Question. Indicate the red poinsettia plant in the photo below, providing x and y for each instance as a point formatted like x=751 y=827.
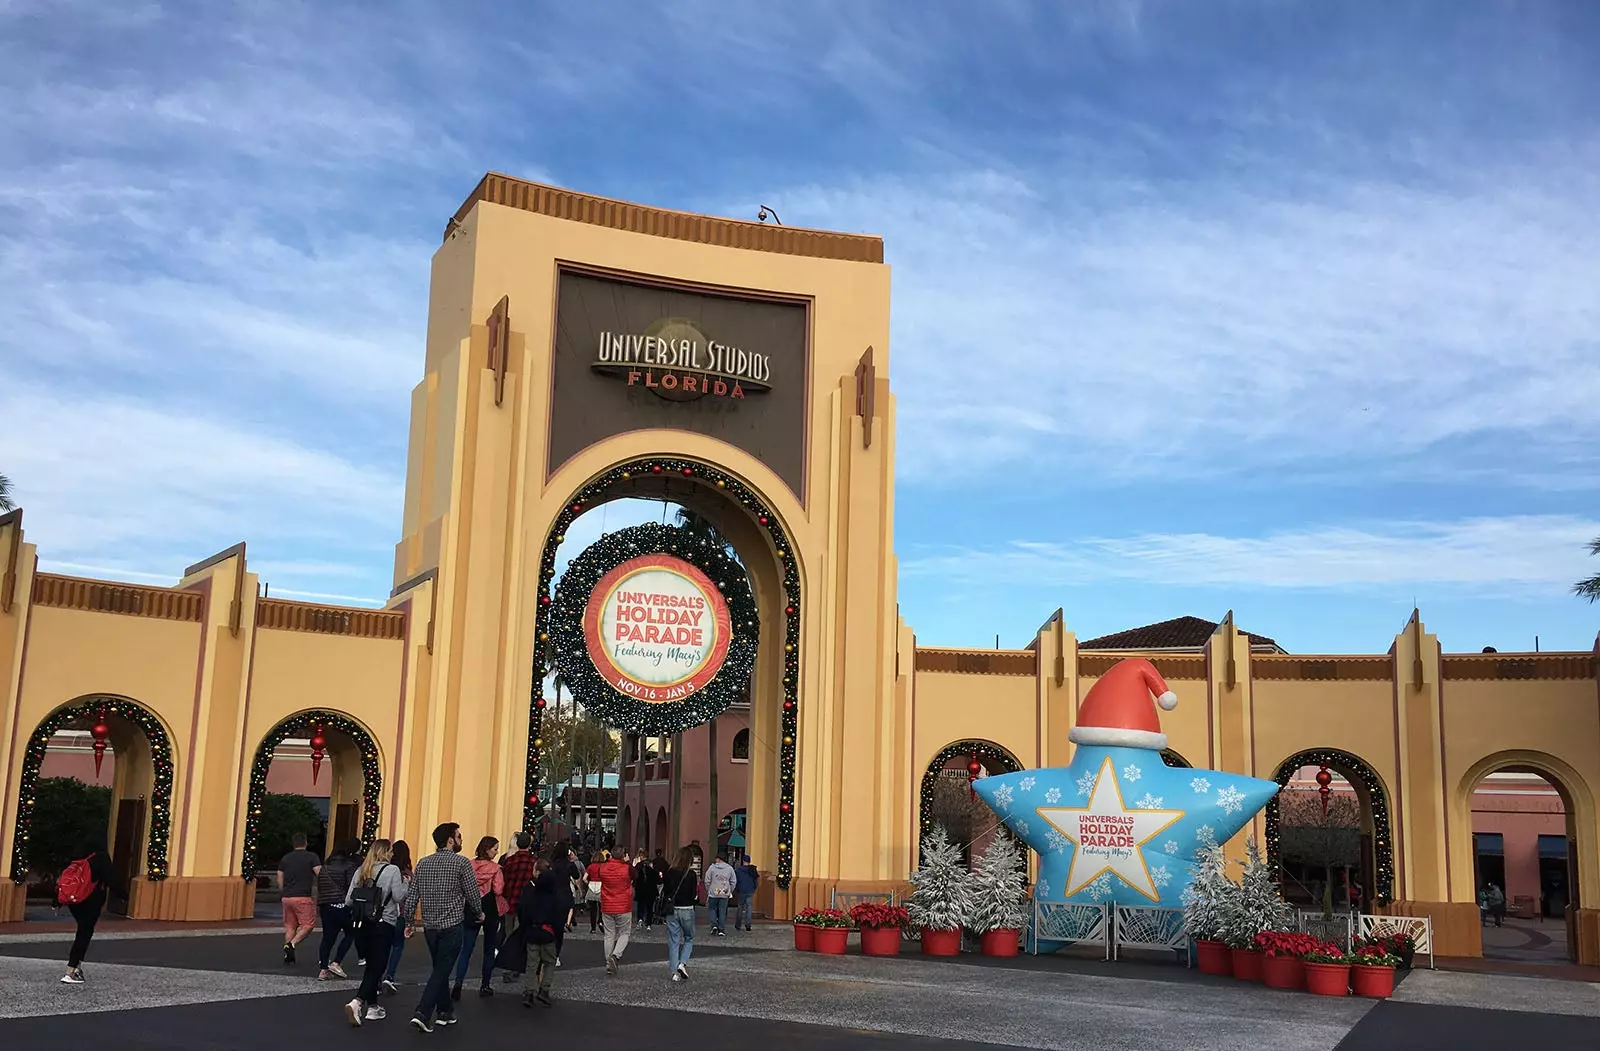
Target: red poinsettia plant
x=1374 y=955
x=807 y=917
x=1294 y=943
x=828 y=918
x=873 y=915
x=1398 y=943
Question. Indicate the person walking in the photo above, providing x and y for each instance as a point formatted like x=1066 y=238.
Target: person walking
x=747 y=880
x=401 y=859
x=591 y=889
x=84 y=888
x=720 y=880
x=445 y=889
x=614 y=884
x=569 y=876
x=333 y=886
x=645 y=884
x=491 y=884
x=297 y=874
x=662 y=865
x=682 y=892
x=1497 y=904
x=516 y=872
x=372 y=904
x=540 y=917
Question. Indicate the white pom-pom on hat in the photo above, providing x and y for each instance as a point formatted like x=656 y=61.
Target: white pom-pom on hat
x=1168 y=701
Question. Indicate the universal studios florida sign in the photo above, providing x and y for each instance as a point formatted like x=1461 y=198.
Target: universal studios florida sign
x=674 y=359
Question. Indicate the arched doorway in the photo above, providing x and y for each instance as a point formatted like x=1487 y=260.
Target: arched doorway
x=353 y=779
x=1355 y=822
x=661 y=829
x=138 y=820
x=1172 y=758
x=946 y=796
x=745 y=519
x=1530 y=833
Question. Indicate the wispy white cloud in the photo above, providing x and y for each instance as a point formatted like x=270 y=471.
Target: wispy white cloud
x=1532 y=552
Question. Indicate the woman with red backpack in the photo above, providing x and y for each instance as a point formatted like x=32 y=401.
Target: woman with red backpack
x=83 y=889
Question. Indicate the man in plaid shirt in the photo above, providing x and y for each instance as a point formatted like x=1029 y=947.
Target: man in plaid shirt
x=517 y=868
x=444 y=885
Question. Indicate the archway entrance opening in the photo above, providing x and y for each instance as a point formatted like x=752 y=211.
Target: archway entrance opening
x=1328 y=832
x=947 y=800
x=316 y=773
x=1525 y=850
x=98 y=771
x=680 y=785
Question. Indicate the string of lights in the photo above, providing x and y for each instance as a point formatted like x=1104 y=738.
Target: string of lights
x=611 y=485
x=309 y=724
x=83 y=716
x=1371 y=791
x=994 y=758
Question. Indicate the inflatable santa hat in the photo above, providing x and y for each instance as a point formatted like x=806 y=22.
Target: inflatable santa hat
x=1117 y=713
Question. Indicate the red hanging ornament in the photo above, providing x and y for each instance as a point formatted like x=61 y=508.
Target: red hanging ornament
x=1324 y=779
x=318 y=744
x=974 y=768
x=101 y=734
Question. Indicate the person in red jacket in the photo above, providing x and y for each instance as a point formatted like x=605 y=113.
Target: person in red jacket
x=615 y=880
x=591 y=893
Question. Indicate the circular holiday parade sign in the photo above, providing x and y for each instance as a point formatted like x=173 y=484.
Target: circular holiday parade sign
x=656 y=628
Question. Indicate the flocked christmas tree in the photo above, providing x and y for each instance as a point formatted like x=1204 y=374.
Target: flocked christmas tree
x=1209 y=902
x=997 y=890
x=938 y=901
x=1256 y=905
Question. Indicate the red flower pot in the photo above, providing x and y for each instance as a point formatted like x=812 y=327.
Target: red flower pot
x=1002 y=942
x=1213 y=958
x=1283 y=972
x=941 y=943
x=832 y=940
x=880 y=941
x=1376 y=982
x=1246 y=965
x=805 y=937
x=1328 y=979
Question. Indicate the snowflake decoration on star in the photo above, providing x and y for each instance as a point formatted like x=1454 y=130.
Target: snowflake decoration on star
x=1230 y=799
x=1170 y=846
x=1131 y=773
x=1056 y=841
x=1053 y=796
x=1025 y=785
x=1100 y=888
x=1002 y=797
x=1086 y=783
x=1200 y=786
x=1149 y=802
x=1159 y=875
x=1206 y=835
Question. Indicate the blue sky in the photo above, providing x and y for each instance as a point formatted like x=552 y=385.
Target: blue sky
x=1282 y=307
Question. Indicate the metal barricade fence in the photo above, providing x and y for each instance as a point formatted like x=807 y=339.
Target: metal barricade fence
x=1139 y=927
x=1419 y=927
x=1338 y=928
x=1069 y=922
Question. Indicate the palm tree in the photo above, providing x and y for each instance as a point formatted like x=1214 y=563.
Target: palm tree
x=699 y=526
x=6 y=503
x=1590 y=588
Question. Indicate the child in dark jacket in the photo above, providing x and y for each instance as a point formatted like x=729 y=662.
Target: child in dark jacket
x=539 y=912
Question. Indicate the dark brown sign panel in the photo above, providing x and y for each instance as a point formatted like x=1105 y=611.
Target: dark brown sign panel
x=631 y=355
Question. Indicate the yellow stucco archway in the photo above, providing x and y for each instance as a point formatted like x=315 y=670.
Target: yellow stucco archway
x=1583 y=931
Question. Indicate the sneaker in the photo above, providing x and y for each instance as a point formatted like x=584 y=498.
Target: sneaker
x=544 y=998
x=528 y=998
x=677 y=976
x=611 y=965
x=72 y=978
x=445 y=1020
x=288 y=953
x=484 y=990
x=558 y=961
x=421 y=1024
x=376 y=1013
x=324 y=974
x=354 y=1011
x=683 y=969
x=455 y=991
x=336 y=969
x=360 y=962
x=390 y=986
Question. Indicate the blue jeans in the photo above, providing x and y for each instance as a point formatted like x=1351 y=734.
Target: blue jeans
x=718 y=908
x=335 y=922
x=680 y=936
x=395 y=952
x=445 y=947
x=741 y=917
x=469 y=938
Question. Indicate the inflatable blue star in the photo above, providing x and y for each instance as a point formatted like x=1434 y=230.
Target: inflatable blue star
x=1117 y=825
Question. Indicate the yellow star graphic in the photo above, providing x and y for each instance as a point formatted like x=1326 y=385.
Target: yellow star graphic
x=1108 y=836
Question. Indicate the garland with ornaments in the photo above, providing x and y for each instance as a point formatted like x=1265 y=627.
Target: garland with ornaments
x=315 y=725
x=590 y=687
x=617 y=482
x=981 y=755
x=92 y=715
x=1373 y=796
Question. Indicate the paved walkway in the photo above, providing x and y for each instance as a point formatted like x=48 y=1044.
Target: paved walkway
x=232 y=991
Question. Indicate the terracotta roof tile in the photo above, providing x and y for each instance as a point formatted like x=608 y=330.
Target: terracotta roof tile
x=1178 y=633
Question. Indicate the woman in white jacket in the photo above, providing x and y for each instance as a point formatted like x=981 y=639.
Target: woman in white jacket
x=377 y=874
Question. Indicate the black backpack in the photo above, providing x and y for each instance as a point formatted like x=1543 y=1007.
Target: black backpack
x=367 y=903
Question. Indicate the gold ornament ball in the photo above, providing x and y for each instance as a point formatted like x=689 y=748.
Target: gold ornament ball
x=538 y=742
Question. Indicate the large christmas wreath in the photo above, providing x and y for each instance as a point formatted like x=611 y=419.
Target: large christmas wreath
x=708 y=554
